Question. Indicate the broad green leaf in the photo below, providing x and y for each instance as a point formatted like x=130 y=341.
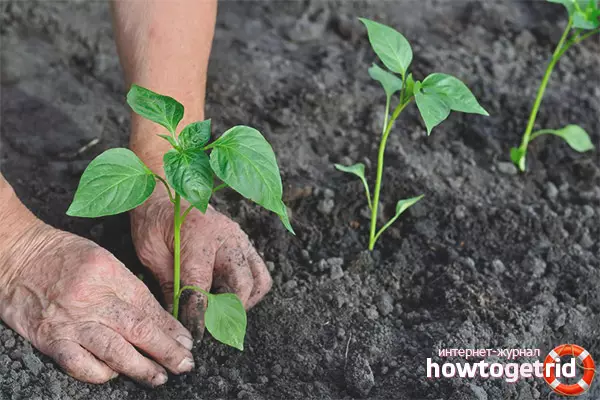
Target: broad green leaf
x=358 y=170
x=518 y=157
x=574 y=135
x=390 y=82
x=163 y=110
x=390 y=46
x=189 y=173
x=225 y=319
x=586 y=20
x=114 y=182
x=454 y=93
x=195 y=135
x=433 y=109
x=572 y=5
x=170 y=139
x=245 y=161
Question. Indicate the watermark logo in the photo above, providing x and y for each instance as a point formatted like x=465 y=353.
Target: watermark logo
x=557 y=374
x=578 y=355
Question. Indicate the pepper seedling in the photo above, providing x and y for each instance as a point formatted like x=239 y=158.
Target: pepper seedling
x=117 y=181
x=583 y=23
x=436 y=96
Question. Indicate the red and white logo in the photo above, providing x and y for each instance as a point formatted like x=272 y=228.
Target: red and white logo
x=584 y=361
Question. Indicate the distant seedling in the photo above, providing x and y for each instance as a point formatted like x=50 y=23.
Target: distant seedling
x=117 y=181
x=436 y=96
x=583 y=22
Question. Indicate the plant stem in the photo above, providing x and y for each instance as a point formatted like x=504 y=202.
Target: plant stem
x=177 y=221
x=219 y=187
x=542 y=89
x=166 y=187
x=386 y=133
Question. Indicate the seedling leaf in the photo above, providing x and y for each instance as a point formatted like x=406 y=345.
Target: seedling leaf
x=358 y=170
x=114 y=182
x=572 y=5
x=225 y=319
x=433 y=109
x=391 y=46
x=195 y=135
x=245 y=161
x=409 y=89
x=401 y=206
x=574 y=135
x=189 y=174
x=454 y=93
x=518 y=157
x=390 y=82
x=163 y=110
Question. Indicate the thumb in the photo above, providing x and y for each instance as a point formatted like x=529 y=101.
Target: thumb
x=196 y=270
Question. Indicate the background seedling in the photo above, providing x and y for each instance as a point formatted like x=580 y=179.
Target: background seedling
x=583 y=23
x=117 y=181
x=436 y=96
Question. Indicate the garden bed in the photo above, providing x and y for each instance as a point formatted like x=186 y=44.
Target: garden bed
x=488 y=259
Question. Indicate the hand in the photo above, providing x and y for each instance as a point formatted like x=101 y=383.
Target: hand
x=215 y=252
x=75 y=302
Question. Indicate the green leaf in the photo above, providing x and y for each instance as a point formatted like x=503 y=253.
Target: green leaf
x=586 y=20
x=114 y=182
x=195 y=135
x=584 y=12
x=433 y=109
x=390 y=82
x=401 y=206
x=390 y=46
x=189 y=173
x=574 y=135
x=571 y=5
x=358 y=170
x=163 y=110
x=170 y=140
x=453 y=92
x=225 y=319
x=518 y=157
x=245 y=161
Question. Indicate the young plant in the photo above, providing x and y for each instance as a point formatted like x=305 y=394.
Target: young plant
x=436 y=96
x=583 y=23
x=117 y=181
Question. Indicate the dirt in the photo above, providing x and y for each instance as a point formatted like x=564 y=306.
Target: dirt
x=488 y=259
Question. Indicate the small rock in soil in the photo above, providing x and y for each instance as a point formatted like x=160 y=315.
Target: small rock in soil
x=460 y=212
x=586 y=241
x=326 y=206
x=359 y=376
x=33 y=363
x=385 y=304
x=478 y=392
x=270 y=266
x=336 y=272
x=507 y=168
x=551 y=190
x=535 y=266
x=498 y=266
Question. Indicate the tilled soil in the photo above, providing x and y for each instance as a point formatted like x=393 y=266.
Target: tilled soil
x=488 y=259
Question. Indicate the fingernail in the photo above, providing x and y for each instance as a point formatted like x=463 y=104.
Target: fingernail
x=114 y=375
x=159 y=379
x=185 y=342
x=186 y=365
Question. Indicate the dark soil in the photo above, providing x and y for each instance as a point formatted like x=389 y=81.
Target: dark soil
x=488 y=259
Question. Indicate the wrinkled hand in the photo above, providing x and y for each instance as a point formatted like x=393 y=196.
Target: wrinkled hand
x=75 y=302
x=215 y=253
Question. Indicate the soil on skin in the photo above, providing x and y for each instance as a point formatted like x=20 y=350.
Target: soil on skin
x=488 y=259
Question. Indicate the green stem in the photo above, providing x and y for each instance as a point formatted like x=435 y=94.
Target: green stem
x=177 y=221
x=219 y=187
x=196 y=288
x=166 y=187
x=386 y=133
x=575 y=40
x=542 y=89
x=540 y=133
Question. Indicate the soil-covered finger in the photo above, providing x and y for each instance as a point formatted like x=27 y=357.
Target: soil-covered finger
x=79 y=363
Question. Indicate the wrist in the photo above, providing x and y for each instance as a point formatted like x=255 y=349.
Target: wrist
x=17 y=225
